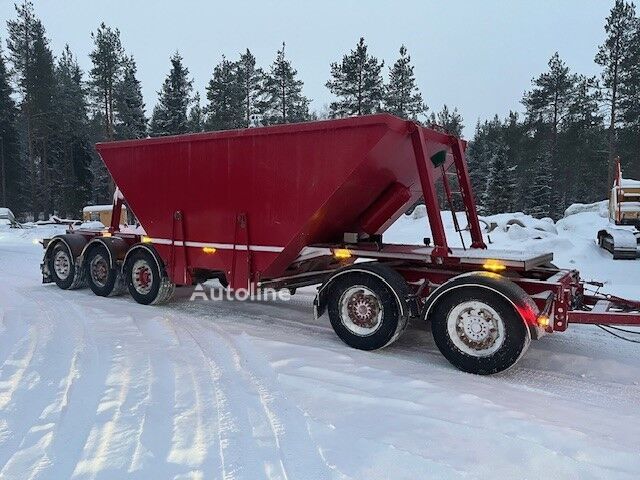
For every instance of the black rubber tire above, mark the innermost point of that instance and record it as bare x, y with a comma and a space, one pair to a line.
517, 336
115, 281
161, 286
390, 288
75, 279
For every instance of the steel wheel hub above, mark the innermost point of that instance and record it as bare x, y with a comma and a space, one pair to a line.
475, 328
99, 270
142, 277
62, 264
360, 310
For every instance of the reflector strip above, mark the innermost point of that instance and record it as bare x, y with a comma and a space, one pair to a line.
221, 246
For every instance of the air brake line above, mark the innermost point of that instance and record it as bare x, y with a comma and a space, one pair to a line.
606, 329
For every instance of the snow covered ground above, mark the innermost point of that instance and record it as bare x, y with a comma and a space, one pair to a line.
105, 388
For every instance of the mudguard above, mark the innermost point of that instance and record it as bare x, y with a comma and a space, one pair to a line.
116, 248
521, 301
74, 242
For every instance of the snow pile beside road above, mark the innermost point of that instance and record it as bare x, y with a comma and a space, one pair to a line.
572, 240
601, 208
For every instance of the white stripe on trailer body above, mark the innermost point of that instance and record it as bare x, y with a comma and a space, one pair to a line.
221, 246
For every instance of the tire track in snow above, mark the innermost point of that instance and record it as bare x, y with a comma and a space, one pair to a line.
232, 423
298, 455
66, 421
33, 387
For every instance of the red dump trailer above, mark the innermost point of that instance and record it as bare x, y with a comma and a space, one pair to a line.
289, 206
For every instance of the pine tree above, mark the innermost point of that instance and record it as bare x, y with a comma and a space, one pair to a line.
224, 93
251, 80
449, 121
630, 98
73, 148
130, 119
170, 113
108, 60
357, 82
402, 97
283, 101
612, 57
10, 174
196, 116
548, 102
32, 61
581, 143
548, 106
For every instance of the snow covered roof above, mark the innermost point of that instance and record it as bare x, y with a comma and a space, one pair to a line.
98, 208
627, 182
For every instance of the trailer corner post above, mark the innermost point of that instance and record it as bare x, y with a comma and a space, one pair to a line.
427, 183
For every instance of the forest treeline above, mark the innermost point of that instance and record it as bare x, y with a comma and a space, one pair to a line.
557, 148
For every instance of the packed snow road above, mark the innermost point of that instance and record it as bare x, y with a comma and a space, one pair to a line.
105, 388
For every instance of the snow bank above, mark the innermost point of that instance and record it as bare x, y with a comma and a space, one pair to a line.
601, 208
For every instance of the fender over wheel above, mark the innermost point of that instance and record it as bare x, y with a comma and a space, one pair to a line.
367, 305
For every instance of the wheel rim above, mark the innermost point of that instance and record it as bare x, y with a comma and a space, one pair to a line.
62, 264
142, 277
361, 311
99, 269
475, 328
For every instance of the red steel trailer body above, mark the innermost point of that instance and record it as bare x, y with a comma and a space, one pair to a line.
275, 190
306, 204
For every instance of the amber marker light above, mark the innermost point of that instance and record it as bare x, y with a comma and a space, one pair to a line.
494, 266
341, 253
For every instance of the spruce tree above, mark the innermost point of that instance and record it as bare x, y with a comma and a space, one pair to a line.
170, 113
613, 57
73, 148
479, 153
225, 97
32, 61
130, 119
108, 60
357, 82
251, 82
500, 181
196, 116
283, 101
401, 95
540, 190
448, 120
10, 172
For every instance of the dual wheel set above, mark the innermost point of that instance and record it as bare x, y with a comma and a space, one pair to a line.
474, 317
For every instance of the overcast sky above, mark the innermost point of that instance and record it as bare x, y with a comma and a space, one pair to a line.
477, 55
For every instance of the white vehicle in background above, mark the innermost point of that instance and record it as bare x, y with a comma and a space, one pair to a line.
7, 218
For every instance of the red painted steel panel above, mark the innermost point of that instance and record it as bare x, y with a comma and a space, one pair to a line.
298, 184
